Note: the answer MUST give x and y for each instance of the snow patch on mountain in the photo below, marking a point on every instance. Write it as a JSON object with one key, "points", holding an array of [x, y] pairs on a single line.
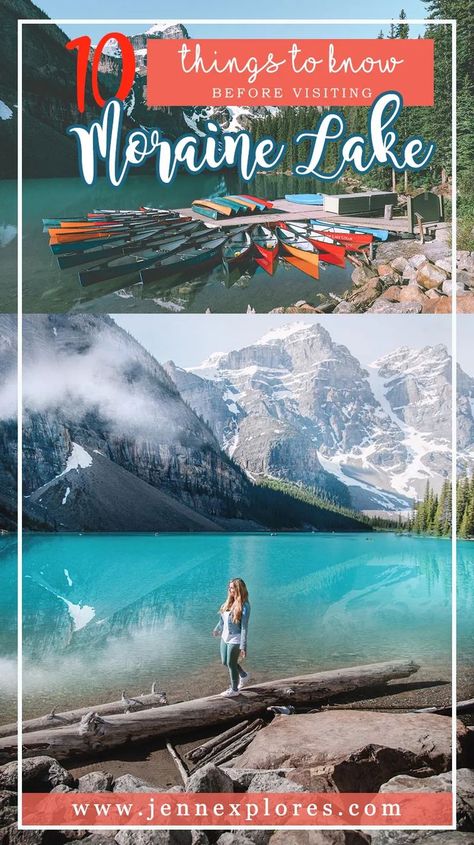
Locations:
{"points": [[78, 459], [6, 112], [160, 26]]}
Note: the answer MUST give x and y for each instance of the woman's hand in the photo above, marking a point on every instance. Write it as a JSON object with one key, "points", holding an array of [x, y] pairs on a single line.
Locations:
{"points": [[243, 654], [215, 633]]}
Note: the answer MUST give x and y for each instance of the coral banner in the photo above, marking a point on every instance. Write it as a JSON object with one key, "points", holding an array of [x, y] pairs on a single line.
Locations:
{"points": [[288, 73], [303, 809]]}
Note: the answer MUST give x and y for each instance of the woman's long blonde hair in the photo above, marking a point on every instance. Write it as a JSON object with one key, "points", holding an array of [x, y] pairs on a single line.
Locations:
{"points": [[236, 604]]}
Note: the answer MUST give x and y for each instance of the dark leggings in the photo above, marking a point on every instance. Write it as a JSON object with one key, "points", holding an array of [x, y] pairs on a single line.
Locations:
{"points": [[230, 657]]}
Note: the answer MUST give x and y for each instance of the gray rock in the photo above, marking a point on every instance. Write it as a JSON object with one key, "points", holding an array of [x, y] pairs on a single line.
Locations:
{"points": [[466, 262], [62, 788], [154, 837], [209, 778], [424, 837], [399, 263], [462, 256], [242, 778], [93, 838], [383, 306], [366, 293], [390, 279], [465, 278], [319, 837], [9, 776], [448, 287], [445, 264], [344, 307], [362, 274], [409, 272], [272, 782], [238, 838], [7, 798], [8, 815], [40, 774], [356, 748], [417, 261], [432, 293], [131, 783], [27, 837], [441, 783], [95, 782], [258, 837]]}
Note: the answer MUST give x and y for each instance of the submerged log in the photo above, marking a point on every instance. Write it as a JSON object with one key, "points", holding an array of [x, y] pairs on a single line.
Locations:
{"points": [[96, 734], [70, 717]]}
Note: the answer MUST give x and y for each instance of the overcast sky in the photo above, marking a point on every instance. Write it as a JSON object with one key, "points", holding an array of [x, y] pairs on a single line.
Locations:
{"points": [[183, 10], [188, 339]]}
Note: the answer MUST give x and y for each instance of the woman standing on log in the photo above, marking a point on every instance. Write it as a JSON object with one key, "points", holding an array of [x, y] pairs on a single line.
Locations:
{"points": [[232, 628]]}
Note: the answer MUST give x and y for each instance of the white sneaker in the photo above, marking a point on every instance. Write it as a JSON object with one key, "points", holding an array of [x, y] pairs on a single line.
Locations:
{"points": [[230, 693], [243, 681]]}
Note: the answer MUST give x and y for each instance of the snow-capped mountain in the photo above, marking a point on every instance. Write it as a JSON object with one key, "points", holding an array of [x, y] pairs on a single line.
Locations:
{"points": [[109, 444], [296, 403]]}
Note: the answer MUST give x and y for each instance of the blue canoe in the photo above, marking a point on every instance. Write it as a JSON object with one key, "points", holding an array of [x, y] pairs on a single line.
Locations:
{"points": [[380, 234], [305, 199], [236, 207]]}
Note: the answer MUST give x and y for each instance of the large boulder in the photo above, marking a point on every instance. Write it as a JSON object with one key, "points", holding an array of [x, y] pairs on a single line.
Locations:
{"points": [[273, 782], [364, 296], [132, 783], [441, 305], [359, 750], [399, 263], [319, 837], [360, 275], [421, 837], [383, 306], [344, 307], [442, 783], [40, 774], [465, 303], [209, 778], [418, 260], [429, 276], [154, 837], [95, 782]]}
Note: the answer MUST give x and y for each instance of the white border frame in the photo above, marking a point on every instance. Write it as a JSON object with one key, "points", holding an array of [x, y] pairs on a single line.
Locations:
{"points": [[228, 21]]}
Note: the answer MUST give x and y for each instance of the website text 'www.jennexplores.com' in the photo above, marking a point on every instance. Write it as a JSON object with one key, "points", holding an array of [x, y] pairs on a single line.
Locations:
{"points": [[214, 809]]}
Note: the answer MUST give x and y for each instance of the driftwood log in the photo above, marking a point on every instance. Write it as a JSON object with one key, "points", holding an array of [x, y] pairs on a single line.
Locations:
{"points": [[227, 745], [96, 734], [70, 717], [206, 748]]}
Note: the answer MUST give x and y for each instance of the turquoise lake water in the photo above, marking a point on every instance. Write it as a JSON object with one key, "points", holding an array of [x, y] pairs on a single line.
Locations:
{"points": [[48, 289], [108, 612]]}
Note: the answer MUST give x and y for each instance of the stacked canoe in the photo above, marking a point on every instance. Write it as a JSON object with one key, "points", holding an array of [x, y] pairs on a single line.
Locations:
{"points": [[155, 245], [228, 206]]}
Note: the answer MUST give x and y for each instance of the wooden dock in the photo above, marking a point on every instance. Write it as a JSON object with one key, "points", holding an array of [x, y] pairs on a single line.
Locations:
{"points": [[292, 211]]}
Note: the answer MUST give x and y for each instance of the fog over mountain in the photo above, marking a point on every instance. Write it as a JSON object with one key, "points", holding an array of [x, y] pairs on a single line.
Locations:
{"points": [[113, 439]]}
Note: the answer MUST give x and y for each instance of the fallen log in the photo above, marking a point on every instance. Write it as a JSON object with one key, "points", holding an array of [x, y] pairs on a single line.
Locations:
{"points": [[204, 749], [224, 744], [232, 750], [461, 707], [95, 734], [70, 717], [179, 762]]}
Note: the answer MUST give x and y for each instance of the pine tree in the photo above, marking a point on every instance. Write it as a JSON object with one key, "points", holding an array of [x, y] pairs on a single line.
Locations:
{"points": [[402, 30]]}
